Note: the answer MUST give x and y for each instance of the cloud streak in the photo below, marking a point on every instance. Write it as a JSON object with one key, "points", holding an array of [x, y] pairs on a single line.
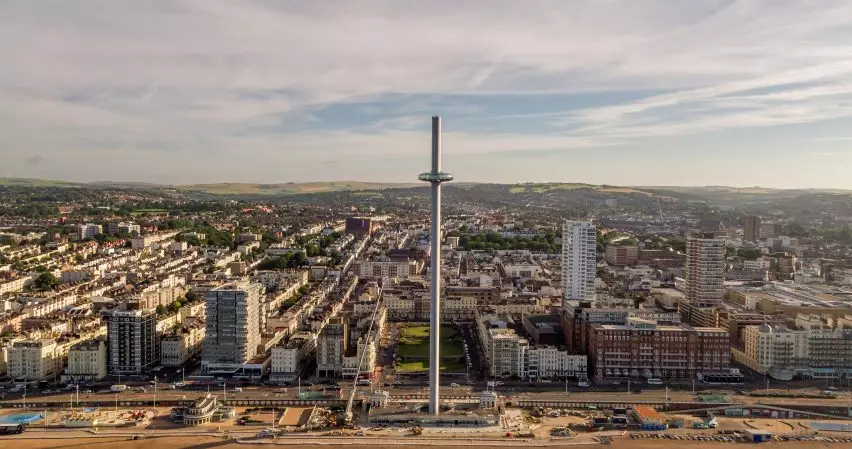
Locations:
{"points": [[208, 82]]}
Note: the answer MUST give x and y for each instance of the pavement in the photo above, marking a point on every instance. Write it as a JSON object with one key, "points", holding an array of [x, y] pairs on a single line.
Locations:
{"points": [[554, 392]]}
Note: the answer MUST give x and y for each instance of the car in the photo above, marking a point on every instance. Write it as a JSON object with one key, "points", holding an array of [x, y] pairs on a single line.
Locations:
{"points": [[583, 384], [654, 381], [386, 384], [454, 385], [397, 382]]}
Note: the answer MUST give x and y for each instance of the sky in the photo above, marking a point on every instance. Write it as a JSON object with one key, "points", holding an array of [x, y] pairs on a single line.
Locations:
{"points": [[633, 92]]}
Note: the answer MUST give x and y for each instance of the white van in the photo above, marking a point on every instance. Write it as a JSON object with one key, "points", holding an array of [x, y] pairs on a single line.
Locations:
{"points": [[583, 384], [655, 381]]}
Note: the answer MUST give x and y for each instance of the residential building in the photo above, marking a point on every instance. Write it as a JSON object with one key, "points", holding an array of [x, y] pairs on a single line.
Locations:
{"points": [[378, 269], [331, 345], [579, 265], [34, 359], [14, 285], [132, 338], [123, 228], [360, 360], [644, 349], [769, 230], [622, 255], [774, 350], [579, 316], [183, 344], [233, 325], [360, 226], [551, 362], [506, 351], [89, 230], [751, 228], [509, 354], [247, 237], [87, 361], [290, 359], [705, 277], [816, 346]]}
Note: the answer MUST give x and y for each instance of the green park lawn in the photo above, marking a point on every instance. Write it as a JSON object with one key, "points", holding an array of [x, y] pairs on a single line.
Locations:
{"points": [[413, 349]]}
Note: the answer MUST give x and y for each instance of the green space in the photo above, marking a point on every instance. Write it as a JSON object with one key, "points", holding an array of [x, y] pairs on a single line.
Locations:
{"points": [[414, 342], [450, 366], [491, 240], [413, 349], [148, 211]]}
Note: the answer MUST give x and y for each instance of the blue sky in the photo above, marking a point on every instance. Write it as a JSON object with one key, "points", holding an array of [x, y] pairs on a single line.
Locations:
{"points": [[704, 92]]}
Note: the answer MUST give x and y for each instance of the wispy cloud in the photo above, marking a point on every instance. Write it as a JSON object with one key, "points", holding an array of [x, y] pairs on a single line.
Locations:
{"points": [[207, 82]]}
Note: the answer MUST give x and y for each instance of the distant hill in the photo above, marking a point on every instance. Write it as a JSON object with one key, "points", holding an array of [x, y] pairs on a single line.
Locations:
{"points": [[290, 188], [510, 193], [29, 182], [736, 196], [227, 188]]}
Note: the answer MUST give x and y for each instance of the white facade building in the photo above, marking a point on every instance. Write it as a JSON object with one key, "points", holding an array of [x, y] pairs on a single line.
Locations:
{"points": [[550, 362], [87, 361], [89, 230], [177, 349], [768, 346], [578, 260], [34, 359], [290, 359]]}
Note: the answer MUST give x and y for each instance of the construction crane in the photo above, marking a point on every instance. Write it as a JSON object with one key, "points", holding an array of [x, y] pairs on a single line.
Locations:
{"points": [[348, 415], [660, 209]]}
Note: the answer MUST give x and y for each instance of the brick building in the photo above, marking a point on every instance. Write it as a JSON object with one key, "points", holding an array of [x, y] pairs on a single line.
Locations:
{"points": [[642, 349]]}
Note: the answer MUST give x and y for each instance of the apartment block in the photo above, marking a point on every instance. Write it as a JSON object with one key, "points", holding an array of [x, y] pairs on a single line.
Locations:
{"points": [[116, 228], [622, 255], [379, 269], [34, 359], [87, 361], [705, 278], [331, 345], [132, 339], [751, 228], [89, 230], [579, 263], [643, 349], [233, 325], [183, 344], [814, 346]]}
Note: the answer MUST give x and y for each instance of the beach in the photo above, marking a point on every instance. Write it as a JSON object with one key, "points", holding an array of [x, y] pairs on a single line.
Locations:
{"points": [[220, 443]]}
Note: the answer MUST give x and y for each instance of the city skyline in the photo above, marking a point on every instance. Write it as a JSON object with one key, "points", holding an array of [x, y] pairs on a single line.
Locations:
{"points": [[751, 93]]}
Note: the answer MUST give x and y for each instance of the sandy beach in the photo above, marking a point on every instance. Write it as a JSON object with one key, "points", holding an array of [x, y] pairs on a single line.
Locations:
{"points": [[219, 443]]}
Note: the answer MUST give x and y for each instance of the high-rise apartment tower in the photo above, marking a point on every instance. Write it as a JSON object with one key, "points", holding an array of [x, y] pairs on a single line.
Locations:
{"points": [[579, 262]]}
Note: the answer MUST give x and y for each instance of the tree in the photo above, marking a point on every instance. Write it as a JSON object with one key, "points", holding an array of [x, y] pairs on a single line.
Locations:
{"points": [[796, 230], [191, 296], [175, 306], [160, 309], [46, 281], [749, 253]]}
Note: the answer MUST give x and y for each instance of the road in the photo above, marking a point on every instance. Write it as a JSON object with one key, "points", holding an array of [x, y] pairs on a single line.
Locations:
{"points": [[553, 393]]}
